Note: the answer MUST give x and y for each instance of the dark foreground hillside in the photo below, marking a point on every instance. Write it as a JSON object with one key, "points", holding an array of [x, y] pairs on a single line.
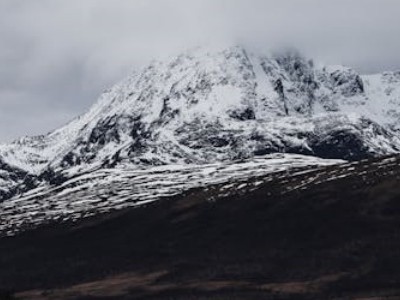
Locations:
{"points": [[335, 235]]}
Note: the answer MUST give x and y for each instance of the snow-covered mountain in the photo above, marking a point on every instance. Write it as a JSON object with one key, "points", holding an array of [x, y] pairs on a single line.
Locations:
{"points": [[212, 105]]}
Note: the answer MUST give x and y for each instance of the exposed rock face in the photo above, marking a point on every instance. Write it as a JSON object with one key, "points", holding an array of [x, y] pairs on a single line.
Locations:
{"points": [[212, 105], [10, 179]]}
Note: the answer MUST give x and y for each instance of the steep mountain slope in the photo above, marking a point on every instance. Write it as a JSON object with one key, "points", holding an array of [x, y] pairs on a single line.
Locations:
{"points": [[211, 105], [108, 190], [11, 180], [332, 233], [384, 90]]}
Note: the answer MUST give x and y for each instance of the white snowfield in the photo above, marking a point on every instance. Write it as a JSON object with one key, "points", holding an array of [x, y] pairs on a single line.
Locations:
{"points": [[114, 189]]}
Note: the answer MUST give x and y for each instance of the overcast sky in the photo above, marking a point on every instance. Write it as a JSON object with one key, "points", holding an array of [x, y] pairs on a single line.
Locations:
{"points": [[56, 56]]}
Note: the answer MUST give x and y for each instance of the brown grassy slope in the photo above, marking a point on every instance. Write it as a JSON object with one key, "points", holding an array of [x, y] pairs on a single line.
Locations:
{"points": [[338, 239]]}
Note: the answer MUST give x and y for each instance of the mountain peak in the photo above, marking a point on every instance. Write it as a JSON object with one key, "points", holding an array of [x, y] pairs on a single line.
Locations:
{"points": [[220, 103]]}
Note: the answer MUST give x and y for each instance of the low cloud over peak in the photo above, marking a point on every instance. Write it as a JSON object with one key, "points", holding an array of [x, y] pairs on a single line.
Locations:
{"points": [[56, 56]]}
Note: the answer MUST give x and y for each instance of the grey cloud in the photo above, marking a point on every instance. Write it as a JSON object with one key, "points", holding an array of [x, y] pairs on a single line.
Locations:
{"points": [[56, 56]]}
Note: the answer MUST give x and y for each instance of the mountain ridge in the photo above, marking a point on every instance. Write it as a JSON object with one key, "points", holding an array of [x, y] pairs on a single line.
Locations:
{"points": [[207, 106]]}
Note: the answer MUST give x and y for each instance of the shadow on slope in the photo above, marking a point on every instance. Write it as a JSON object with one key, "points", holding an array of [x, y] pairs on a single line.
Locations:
{"points": [[336, 238]]}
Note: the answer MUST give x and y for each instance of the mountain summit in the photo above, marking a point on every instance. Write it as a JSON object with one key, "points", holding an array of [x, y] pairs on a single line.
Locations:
{"points": [[212, 105]]}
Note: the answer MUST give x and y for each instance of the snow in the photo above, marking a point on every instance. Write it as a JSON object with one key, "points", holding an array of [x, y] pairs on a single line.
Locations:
{"points": [[113, 189], [196, 113], [204, 85]]}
